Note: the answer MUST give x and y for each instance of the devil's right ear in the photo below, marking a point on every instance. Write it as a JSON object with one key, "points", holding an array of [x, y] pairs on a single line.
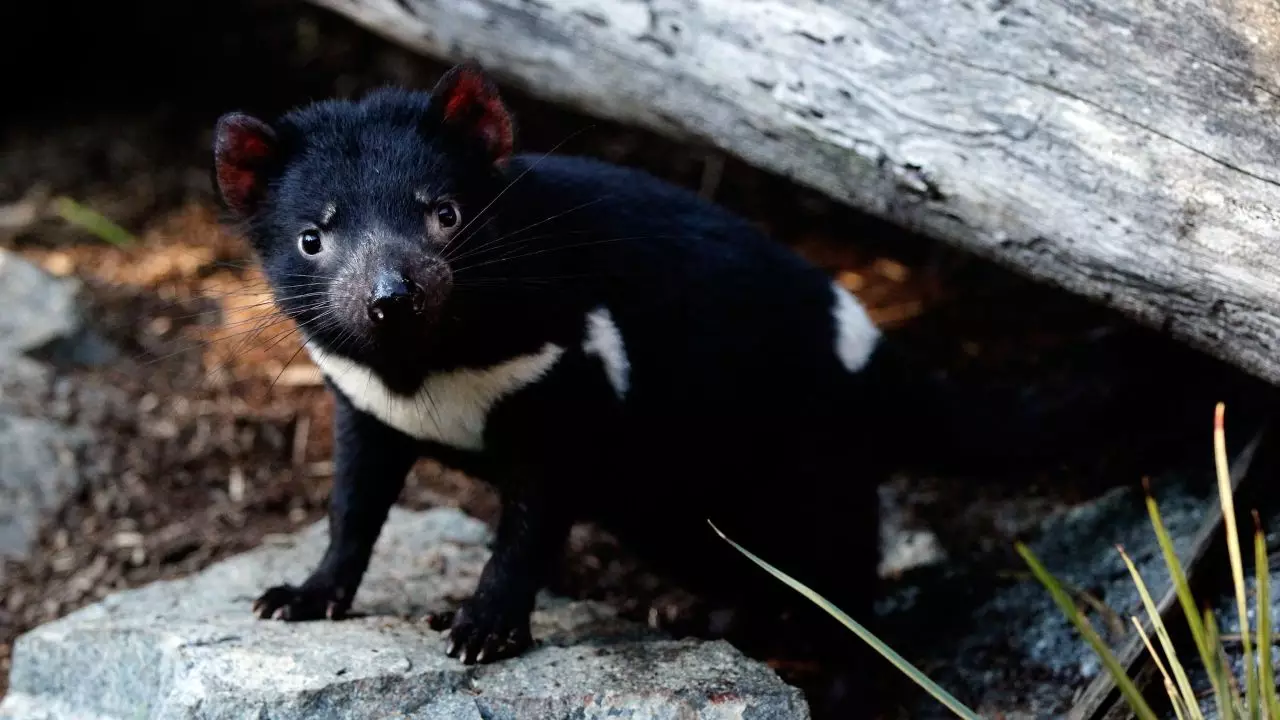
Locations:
{"points": [[466, 99], [245, 150]]}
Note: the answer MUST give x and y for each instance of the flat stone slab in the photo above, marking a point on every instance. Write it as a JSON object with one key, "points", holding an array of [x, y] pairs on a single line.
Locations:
{"points": [[191, 649]]}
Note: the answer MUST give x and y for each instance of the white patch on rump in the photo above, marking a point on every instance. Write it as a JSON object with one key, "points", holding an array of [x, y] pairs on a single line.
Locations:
{"points": [[856, 335], [604, 341], [451, 407]]}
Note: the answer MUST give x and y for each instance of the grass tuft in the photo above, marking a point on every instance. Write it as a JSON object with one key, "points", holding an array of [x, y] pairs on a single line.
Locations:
{"points": [[1259, 700]]}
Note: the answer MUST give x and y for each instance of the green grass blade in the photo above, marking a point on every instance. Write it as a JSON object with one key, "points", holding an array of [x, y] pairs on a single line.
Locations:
{"points": [[1226, 496], [1214, 671], [1224, 684], [1175, 698], [1166, 643], [1131, 693], [1263, 604], [901, 663], [1182, 588], [92, 221]]}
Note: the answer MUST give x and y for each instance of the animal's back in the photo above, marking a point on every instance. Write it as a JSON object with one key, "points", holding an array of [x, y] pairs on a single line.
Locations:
{"points": [[716, 321], [751, 387]]}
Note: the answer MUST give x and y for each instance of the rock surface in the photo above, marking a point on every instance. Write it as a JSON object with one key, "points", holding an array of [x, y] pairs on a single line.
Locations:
{"points": [[37, 474], [191, 649], [41, 317], [40, 309], [1000, 644]]}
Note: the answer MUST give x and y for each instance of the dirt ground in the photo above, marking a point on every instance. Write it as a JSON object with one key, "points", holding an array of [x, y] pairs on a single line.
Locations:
{"points": [[215, 432]]}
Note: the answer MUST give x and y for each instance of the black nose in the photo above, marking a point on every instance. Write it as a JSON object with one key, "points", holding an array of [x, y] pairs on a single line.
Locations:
{"points": [[394, 298]]}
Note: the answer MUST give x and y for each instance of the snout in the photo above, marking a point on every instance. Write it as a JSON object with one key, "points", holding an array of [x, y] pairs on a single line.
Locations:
{"points": [[395, 298], [406, 297], [390, 295]]}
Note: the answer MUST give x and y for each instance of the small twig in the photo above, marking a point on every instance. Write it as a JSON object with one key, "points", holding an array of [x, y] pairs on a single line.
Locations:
{"points": [[1235, 638], [300, 376], [892, 315], [322, 468], [25, 212], [236, 485], [1114, 622], [301, 437]]}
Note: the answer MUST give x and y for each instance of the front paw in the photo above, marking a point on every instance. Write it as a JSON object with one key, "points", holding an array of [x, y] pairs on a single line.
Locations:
{"points": [[286, 602], [484, 631]]}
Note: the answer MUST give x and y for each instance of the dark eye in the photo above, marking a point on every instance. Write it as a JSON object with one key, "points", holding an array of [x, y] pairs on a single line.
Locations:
{"points": [[447, 214], [309, 241]]}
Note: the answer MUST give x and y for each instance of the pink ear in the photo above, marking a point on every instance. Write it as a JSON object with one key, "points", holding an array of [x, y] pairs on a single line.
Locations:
{"points": [[470, 102], [243, 149]]}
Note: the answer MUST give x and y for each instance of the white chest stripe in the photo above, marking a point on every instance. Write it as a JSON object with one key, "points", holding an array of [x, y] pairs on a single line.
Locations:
{"points": [[856, 334], [450, 408], [604, 341]]}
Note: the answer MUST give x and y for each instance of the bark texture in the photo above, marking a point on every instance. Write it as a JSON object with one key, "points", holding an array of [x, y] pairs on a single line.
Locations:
{"points": [[1124, 150]]}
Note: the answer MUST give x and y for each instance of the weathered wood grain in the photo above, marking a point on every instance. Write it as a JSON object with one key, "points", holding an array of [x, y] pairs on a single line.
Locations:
{"points": [[1125, 150]]}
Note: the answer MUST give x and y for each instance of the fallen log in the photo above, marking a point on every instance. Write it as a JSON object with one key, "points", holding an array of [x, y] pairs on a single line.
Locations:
{"points": [[1125, 151]]}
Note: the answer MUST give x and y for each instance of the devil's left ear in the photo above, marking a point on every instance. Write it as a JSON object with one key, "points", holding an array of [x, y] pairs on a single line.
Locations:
{"points": [[244, 153], [466, 100]]}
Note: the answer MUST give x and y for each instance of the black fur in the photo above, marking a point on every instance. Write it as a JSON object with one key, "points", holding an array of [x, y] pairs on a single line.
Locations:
{"points": [[738, 409]]}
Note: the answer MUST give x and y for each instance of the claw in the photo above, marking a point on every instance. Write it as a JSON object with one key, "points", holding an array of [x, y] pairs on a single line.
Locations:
{"points": [[291, 604], [479, 634]]}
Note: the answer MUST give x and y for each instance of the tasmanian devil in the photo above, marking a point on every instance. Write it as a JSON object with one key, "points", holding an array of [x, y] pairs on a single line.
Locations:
{"points": [[596, 343]]}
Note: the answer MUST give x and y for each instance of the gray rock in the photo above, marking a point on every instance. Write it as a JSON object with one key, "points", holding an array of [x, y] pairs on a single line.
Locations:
{"points": [[1079, 547], [40, 309], [41, 318], [37, 474], [190, 649], [1001, 645], [903, 548]]}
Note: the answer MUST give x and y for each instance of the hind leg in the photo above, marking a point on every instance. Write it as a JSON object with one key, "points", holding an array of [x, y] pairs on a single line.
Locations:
{"points": [[813, 521], [830, 542]]}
